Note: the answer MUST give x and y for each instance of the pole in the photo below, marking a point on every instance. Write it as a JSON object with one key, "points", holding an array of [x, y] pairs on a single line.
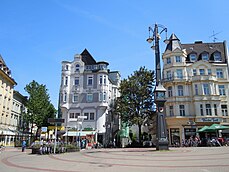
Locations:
{"points": [[55, 138], [157, 55]]}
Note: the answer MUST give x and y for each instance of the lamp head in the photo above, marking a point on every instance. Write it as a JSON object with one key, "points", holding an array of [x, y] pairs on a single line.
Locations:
{"points": [[150, 40]]}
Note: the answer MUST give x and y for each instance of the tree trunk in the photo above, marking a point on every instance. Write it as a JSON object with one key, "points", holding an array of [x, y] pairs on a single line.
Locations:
{"points": [[140, 133]]}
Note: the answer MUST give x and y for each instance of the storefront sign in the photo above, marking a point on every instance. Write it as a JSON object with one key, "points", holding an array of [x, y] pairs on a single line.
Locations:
{"points": [[209, 119]]}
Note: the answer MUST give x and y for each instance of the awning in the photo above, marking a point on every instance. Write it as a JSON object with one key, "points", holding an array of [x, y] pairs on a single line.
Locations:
{"points": [[215, 127], [203, 129], [79, 133]]}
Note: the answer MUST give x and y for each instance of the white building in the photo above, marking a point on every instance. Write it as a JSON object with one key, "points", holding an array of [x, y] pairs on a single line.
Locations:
{"points": [[197, 83], [88, 88]]}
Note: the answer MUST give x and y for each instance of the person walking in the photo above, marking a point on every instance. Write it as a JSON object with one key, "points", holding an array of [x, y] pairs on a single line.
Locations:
{"points": [[23, 145]]}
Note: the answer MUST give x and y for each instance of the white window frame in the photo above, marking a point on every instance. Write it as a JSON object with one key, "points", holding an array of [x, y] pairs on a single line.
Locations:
{"points": [[77, 81], [219, 73], [182, 110], [202, 71], [205, 56], [89, 97], [178, 59], [222, 91], [224, 110], [180, 89], [217, 56], [192, 57], [206, 89], [170, 91], [75, 97], [171, 111], [179, 73], [77, 67], [90, 80], [168, 60], [208, 109]]}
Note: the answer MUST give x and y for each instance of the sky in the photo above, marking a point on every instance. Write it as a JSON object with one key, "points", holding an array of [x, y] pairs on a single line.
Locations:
{"points": [[37, 35]]}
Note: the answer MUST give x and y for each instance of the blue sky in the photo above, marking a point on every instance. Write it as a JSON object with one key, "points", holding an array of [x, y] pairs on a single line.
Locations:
{"points": [[36, 35]]}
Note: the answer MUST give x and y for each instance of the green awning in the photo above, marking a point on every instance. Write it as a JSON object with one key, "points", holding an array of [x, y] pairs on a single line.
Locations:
{"points": [[215, 127], [203, 129]]}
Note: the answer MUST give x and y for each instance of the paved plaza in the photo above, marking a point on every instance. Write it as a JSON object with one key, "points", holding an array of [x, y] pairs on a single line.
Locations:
{"points": [[196, 159]]}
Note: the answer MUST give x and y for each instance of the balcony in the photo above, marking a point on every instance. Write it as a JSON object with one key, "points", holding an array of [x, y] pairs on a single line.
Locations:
{"points": [[203, 78], [176, 79]]}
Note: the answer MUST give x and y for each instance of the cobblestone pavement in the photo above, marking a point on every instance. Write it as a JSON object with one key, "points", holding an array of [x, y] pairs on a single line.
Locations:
{"points": [[197, 159]]}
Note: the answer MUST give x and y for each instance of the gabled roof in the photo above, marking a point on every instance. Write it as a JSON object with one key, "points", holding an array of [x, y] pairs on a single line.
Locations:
{"points": [[200, 47], [174, 43], [87, 58]]}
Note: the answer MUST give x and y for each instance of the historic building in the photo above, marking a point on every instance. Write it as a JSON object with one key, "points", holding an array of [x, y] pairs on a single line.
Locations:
{"points": [[7, 84], [88, 88], [197, 83]]}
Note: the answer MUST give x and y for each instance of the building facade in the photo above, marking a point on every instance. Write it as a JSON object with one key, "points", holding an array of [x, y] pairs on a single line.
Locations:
{"points": [[88, 88], [7, 84], [197, 83]]}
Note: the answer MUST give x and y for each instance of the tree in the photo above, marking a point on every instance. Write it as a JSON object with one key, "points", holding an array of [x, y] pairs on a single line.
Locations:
{"points": [[39, 107], [136, 103]]}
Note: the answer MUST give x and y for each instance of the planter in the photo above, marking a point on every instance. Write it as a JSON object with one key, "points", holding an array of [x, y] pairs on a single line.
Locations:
{"points": [[35, 150]]}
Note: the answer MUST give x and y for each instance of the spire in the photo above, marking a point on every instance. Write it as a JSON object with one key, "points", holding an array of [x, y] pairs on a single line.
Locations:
{"points": [[174, 43]]}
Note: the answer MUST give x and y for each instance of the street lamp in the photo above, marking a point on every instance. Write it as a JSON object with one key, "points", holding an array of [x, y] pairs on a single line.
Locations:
{"points": [[159, 90], [80, 122]]}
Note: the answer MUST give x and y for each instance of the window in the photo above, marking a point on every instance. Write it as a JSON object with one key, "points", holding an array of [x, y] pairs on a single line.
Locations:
{"points": [[201, 71], [196, 89], [178, 59], [222, 90], [206, 90], [209, 71], [205, 56], [66, 67], [179, 73], [180, 90], [168, 60], [182, 110], [104, 96], [100, 80], [77, 67], [90, 80], [92, 116], [77, 82], [224, 110], [215, 109], [87, 115], [100, 96], [217, 56], [171, 111], [66, 81], [75, 97], [192, 57], [169, 75], [104, 80], [71, 115], [219, 73], [170, 92], [201, 110], [194, 72], [65, 97], [89, 97], [208, 109]]}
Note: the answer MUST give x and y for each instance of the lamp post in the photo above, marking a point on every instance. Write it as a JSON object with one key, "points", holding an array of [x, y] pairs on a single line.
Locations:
{"points": [[80, 122], [159, 90]]}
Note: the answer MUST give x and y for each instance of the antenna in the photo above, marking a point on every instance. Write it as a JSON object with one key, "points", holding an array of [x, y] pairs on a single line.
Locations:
{"points": [[214, 36]]}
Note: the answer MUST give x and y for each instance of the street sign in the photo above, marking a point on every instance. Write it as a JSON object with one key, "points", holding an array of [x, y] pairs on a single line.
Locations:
{"points": [[44, 129], [55, 120]]}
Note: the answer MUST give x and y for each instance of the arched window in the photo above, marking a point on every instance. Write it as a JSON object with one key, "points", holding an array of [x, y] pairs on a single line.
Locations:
{"points": [[205, 56], [217, 56], [77, 67]]}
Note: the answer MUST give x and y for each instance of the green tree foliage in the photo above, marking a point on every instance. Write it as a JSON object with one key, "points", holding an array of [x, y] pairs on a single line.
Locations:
{"points": [[135, 104], [39, 107]]}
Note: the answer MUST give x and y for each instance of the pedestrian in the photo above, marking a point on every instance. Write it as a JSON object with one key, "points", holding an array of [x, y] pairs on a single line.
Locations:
{"points": [[23, 145]]}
